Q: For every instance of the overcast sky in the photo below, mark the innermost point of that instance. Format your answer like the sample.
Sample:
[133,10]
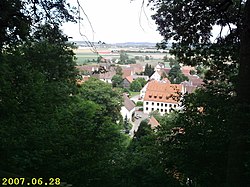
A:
[114,21]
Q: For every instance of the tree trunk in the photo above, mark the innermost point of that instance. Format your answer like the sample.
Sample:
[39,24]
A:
[239,146]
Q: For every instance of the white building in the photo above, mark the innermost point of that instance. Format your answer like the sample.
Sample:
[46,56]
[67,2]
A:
[162,97]
[143,91]
[128,108]
[156,76]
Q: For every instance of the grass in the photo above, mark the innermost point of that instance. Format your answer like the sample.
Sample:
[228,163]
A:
[132,94]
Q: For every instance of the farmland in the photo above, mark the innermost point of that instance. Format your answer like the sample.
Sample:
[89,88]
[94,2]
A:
[142,56]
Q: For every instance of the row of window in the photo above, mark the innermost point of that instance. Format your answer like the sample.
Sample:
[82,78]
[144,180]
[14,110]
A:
[162,104]
[160,110]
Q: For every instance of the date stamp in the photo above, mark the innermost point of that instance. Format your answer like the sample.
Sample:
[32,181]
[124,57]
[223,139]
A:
[30,182]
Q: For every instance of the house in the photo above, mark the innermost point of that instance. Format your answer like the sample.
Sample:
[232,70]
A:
[137,68]
[105,77]
[159,66]
[128,108]
[127,81]
[193,83]
[153,122]
[156,76]
[162,97]
[127,72]
[143,91]
[186,70]
[145,77]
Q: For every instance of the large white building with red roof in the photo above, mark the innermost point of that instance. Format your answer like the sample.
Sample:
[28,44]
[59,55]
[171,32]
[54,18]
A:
[162,97]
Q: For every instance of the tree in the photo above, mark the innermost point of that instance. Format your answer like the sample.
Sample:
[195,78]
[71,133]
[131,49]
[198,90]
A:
[135,86]
[104,95]
[123,58]
[190,23]
[142,81]
[149,70]
[18,16]
[195,141]
[118,70]
[117,81]
[175,75]
[141,164]
[35,90]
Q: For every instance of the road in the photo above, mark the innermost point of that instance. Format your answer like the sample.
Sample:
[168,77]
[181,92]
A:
[137,122]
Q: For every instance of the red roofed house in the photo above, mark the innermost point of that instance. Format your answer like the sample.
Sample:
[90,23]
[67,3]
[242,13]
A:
[153,122]
[162,97]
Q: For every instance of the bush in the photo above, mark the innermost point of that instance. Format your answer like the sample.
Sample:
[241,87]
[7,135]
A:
[139,103]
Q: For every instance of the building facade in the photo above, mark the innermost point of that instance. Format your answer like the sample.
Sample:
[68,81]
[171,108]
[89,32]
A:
[162,97]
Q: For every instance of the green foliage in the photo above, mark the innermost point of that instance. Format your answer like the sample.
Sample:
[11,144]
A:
[118,70]
[17,16]
[223,61]
[175,75]
[33,97]
[149,70]
[195,141]
[103,94]
[135,86]
[139,103]
[141,162]
[123,58]
[142,81]
[117,81]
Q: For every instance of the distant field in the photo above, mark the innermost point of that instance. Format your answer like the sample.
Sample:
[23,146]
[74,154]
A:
[87,56]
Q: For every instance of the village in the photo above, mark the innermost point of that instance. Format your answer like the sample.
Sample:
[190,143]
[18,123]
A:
[157,94]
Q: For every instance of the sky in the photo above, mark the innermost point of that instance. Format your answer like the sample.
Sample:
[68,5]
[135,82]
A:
[114,21]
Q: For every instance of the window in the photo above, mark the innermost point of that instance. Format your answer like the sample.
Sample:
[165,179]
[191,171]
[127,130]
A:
[152,109]
[147,108]
[166,105]
[174,106]
[146,103]
[158,104]
[166,110]
[161,110]
[170,105]
[153,104]
[161,104]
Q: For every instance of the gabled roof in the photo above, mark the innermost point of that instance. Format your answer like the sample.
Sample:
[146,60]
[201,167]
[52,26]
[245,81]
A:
[106,75]
[129,105]
[195,80]
[129,78]
[153,122]
[126,72]
[163,92]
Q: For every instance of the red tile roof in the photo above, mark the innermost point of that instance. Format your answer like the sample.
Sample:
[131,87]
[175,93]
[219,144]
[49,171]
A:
[126,72]
[129,78]
[163,92]
[153,122]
